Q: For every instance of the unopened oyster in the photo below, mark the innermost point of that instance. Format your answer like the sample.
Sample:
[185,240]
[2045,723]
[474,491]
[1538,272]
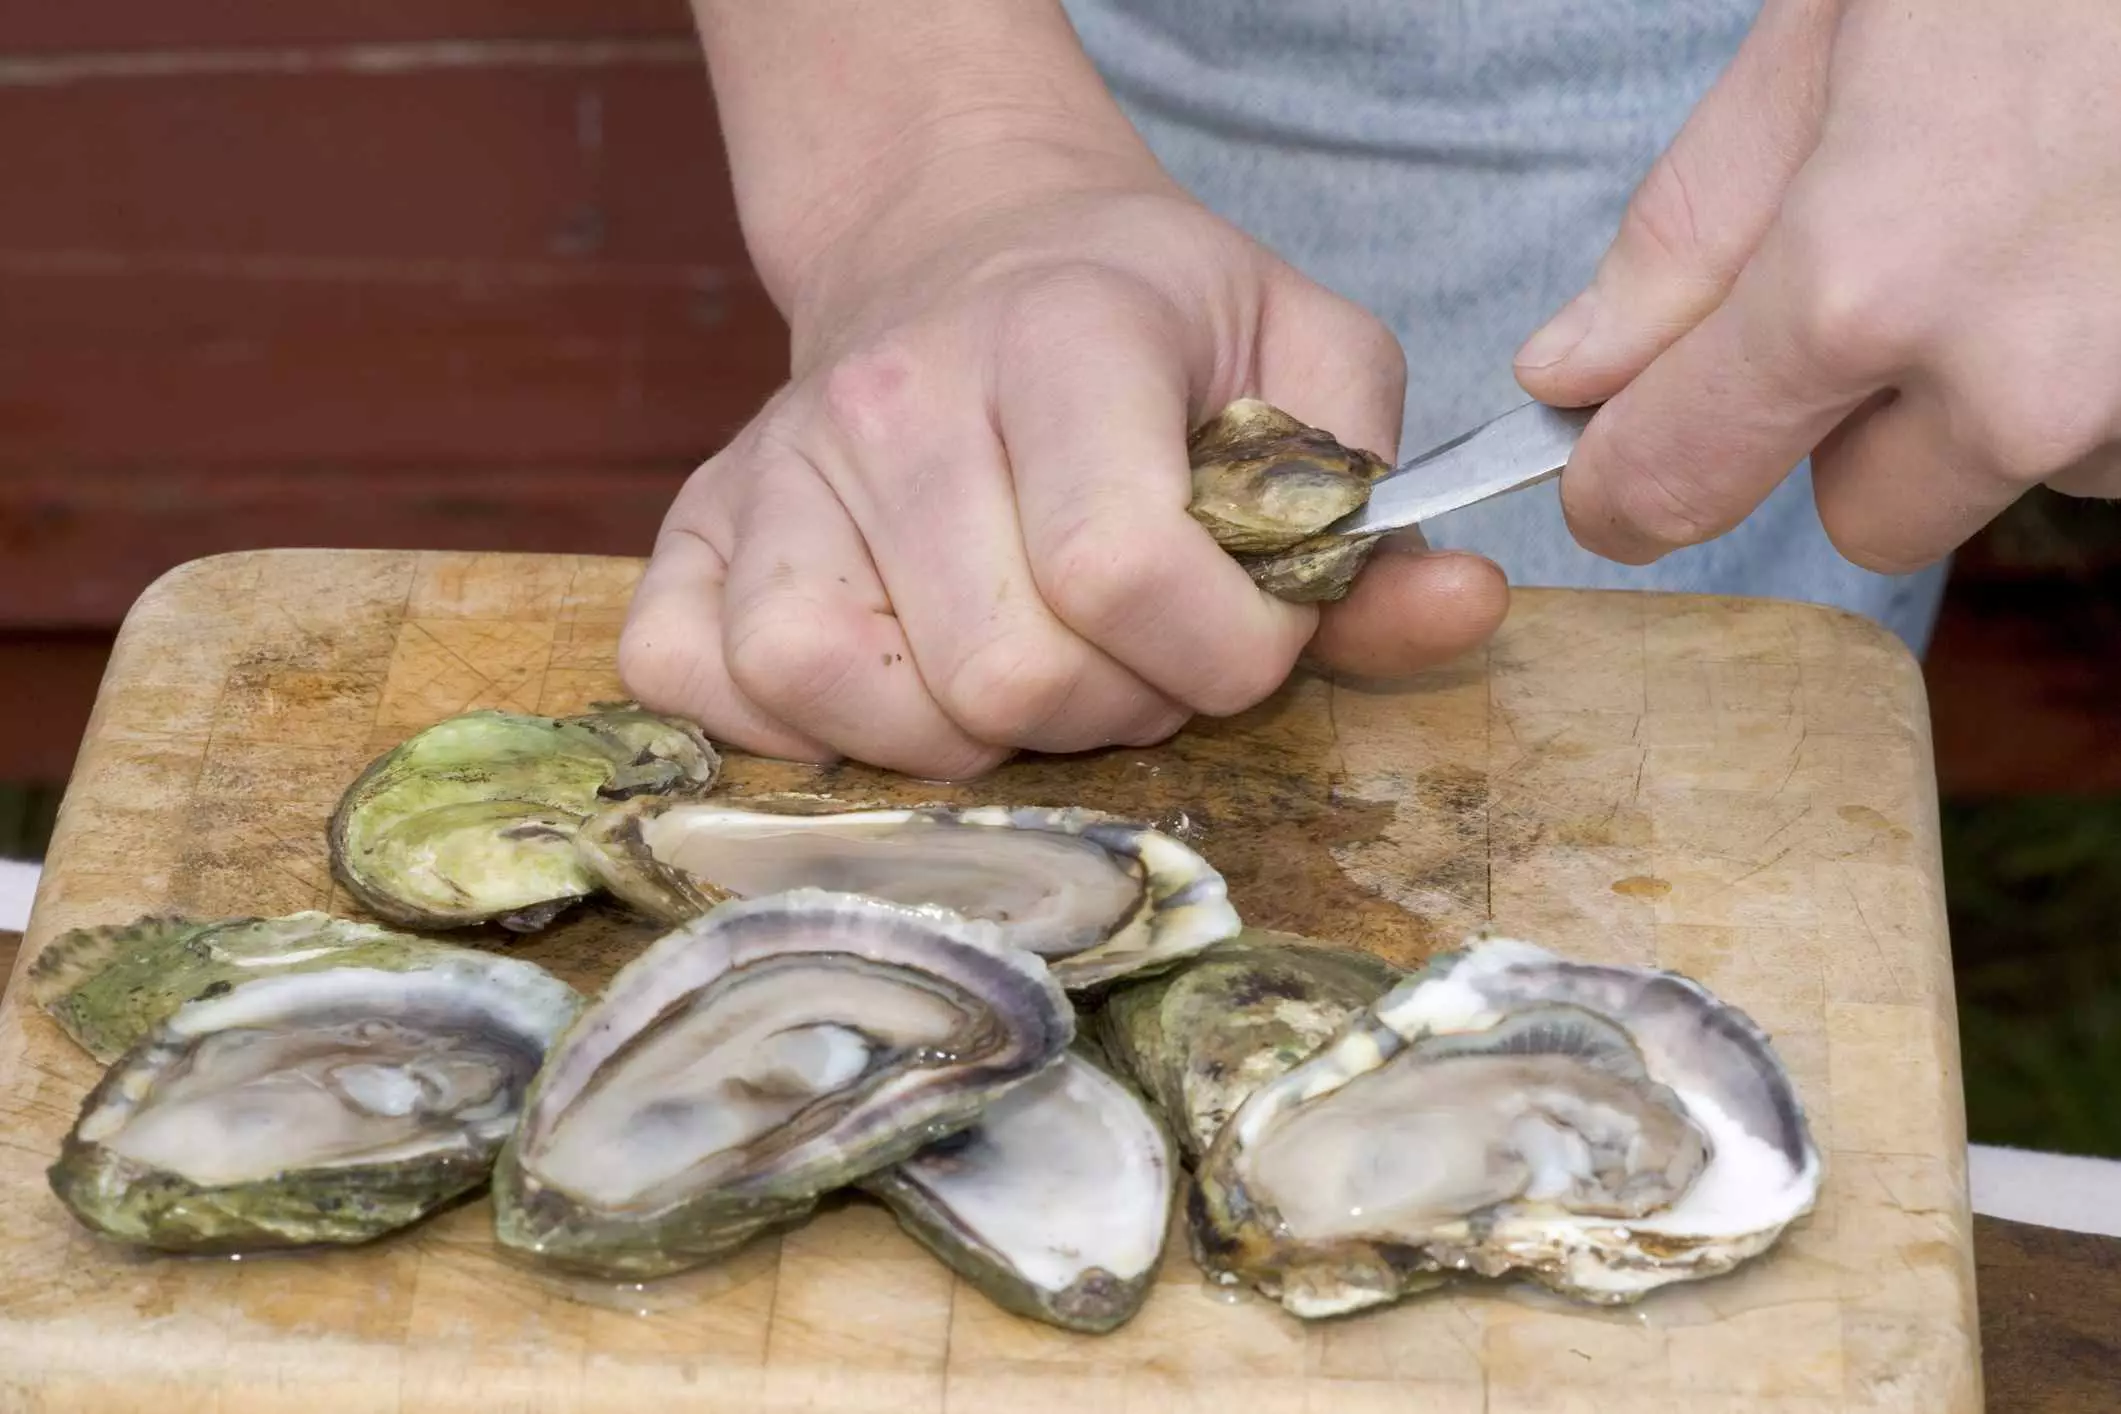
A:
[755,1058]
[1097,897]
[1206,1034]
[473,819]
[304,1107]
[108,986]
[1266,487]
[1602,1130]
[1054,1202]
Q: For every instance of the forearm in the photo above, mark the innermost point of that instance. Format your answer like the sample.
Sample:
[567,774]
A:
[832,108]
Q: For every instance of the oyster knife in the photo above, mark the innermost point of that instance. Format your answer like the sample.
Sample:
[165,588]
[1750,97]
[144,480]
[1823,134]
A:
[1523,447]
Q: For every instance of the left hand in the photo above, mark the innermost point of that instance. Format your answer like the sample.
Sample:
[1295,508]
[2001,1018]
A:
[1890,237]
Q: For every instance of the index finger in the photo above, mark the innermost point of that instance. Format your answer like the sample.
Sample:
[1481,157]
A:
[1700,437]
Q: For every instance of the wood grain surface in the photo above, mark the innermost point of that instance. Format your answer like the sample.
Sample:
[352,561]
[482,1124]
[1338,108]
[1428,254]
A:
[1740,790]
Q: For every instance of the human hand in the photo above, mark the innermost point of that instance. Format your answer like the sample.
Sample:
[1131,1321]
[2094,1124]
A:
[961,528]
[1889,237]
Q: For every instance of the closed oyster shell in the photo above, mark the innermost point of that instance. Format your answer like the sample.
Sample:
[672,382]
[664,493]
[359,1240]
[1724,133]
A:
[755,1058]
[1054,1203]
[1266,486]
[1602,1130]
[1098,897]
[1204,1035]
[473,819]
[326,1106]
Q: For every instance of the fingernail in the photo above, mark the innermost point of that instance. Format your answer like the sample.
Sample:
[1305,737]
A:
[1561,334]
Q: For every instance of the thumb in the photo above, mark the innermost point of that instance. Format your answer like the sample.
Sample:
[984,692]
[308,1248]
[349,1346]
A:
[1697,216]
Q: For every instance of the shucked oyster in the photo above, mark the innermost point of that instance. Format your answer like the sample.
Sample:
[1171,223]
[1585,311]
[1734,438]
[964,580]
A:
[1266,487]
[324,1106]
[1603,1130]
[755,1058]
[1095,896]
[473,819]
[1206,1034]
[109,986]
[1054,1202]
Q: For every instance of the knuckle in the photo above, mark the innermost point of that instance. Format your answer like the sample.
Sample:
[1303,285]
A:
[1855,312]
[1009,687]
[872,397]
[787,659]
[2033,429]
[660,669]
[1094,578]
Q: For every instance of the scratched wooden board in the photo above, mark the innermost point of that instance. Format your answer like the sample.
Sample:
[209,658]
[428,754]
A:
[1740,790]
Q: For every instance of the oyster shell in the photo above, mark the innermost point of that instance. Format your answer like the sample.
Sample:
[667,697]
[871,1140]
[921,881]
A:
[1602,1130]
[473,819]
[331,1105]
[108,986]
[1055,1202]
[1097,897]
[1204,1035]
[1266,486]
[756,1057]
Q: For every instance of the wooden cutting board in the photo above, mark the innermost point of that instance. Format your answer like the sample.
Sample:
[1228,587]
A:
[1740,790]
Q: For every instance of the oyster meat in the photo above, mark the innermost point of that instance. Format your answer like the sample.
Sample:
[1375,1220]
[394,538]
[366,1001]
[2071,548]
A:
[1266,487]
[473,819]
[1097,897]
[1054,1202]
[1603,1130]
[755,1058]
[108,986]
[307,1107]
[1204,1035]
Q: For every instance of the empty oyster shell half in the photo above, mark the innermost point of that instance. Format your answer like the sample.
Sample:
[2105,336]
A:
[473,819]
[1266,487]
[1603,1130]
[324,1106]
[108,986]
[1055,1202]
[755,1058]
[1097,897]
[1204,1035]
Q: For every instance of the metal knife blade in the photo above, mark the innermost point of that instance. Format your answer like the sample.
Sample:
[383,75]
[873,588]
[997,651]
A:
[1521,448]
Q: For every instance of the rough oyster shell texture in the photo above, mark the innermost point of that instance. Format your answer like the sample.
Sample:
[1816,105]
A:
[1266,486]
[1603,1130]
[326,1105]
[1202,1036]
[473,820]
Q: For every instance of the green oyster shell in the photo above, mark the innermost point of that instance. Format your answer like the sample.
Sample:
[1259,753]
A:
[518,1009]
[908,1100]
[1266,486]
[108,986]
[473,820]
[1200,1038]
[1095,1302]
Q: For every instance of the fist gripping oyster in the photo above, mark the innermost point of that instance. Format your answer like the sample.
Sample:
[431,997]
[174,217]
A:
[330,1105]
[473,820]
[757,1057]
[1054,1203]
[1603,1130]
[1095,896]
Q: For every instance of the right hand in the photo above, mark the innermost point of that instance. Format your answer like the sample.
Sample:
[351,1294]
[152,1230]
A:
[960,529]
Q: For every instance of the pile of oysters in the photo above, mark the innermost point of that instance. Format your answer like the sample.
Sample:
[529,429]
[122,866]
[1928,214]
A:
[1028,1031]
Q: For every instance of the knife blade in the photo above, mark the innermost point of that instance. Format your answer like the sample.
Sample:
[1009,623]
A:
[1521,448]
